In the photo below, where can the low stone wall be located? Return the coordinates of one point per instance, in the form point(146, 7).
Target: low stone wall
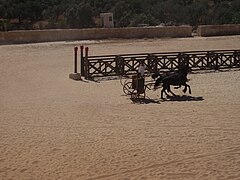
point(218, 30)
point(33, 36)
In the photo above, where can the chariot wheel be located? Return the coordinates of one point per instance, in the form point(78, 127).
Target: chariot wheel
point(127, 88)
point(133, 95)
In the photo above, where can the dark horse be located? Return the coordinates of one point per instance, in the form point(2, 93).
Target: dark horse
point(178, 78)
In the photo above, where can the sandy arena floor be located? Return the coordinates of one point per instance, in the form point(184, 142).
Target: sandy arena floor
point(52, 127)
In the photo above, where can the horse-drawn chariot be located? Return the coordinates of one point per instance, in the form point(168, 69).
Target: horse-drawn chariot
point(136, 87)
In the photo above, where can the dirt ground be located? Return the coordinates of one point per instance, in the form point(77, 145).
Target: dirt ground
point(52, 127)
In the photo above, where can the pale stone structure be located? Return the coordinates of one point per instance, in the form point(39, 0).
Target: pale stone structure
point(107, 20)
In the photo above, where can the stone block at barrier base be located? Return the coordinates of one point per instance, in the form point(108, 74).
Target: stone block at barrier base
point(75, 76)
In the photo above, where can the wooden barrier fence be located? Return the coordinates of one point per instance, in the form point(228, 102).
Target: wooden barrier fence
point(127, 64)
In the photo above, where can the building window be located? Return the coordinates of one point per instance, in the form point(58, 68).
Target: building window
point(110, 18)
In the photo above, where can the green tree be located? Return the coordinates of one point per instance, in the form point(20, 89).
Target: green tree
point(197, 12)
point(174, 12)
point(158, 12)
point(122, 14)
point(235, 8)
point(236, 18)
point(80, 13)
point(22, 9)
point(79, 16)
point(222, 13)
point(143, 19)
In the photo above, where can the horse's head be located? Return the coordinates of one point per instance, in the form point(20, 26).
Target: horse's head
point(155, 75)
point(184, 69)
point(158, 82)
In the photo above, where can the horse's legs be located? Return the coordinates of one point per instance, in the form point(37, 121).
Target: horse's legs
point(185, 88)
point(169, 90)
point(163, 90)
point(165, 87)
point(189, 88)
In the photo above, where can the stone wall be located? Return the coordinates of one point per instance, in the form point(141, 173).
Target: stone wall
point(218, 30)
point(33, 36)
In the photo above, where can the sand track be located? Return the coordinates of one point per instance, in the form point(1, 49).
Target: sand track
point(56, 128)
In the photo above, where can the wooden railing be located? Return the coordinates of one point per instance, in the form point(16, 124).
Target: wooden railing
point(126, 64)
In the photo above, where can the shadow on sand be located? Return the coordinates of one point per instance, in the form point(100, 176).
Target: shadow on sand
point(169, 98)
point(144, 101)
point(184, 98)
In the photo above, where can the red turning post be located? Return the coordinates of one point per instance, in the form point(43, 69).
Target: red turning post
point(75, 59)
point(81, 60)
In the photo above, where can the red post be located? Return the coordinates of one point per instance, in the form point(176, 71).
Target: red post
point(86, 69)
point(81, 60)
point(75, 59)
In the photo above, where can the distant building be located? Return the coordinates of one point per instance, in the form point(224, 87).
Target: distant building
point(106, 20)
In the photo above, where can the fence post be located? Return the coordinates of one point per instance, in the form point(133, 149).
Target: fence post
point(179, 59)
point(216, 60)
point(117, 69)
point(75, 59)
point(208, 62)
point(81, 60)
point(155, 60)
point(86, 69)
point(152, 63)
point(149, 62)
point(236, 57)
point(119, 65)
